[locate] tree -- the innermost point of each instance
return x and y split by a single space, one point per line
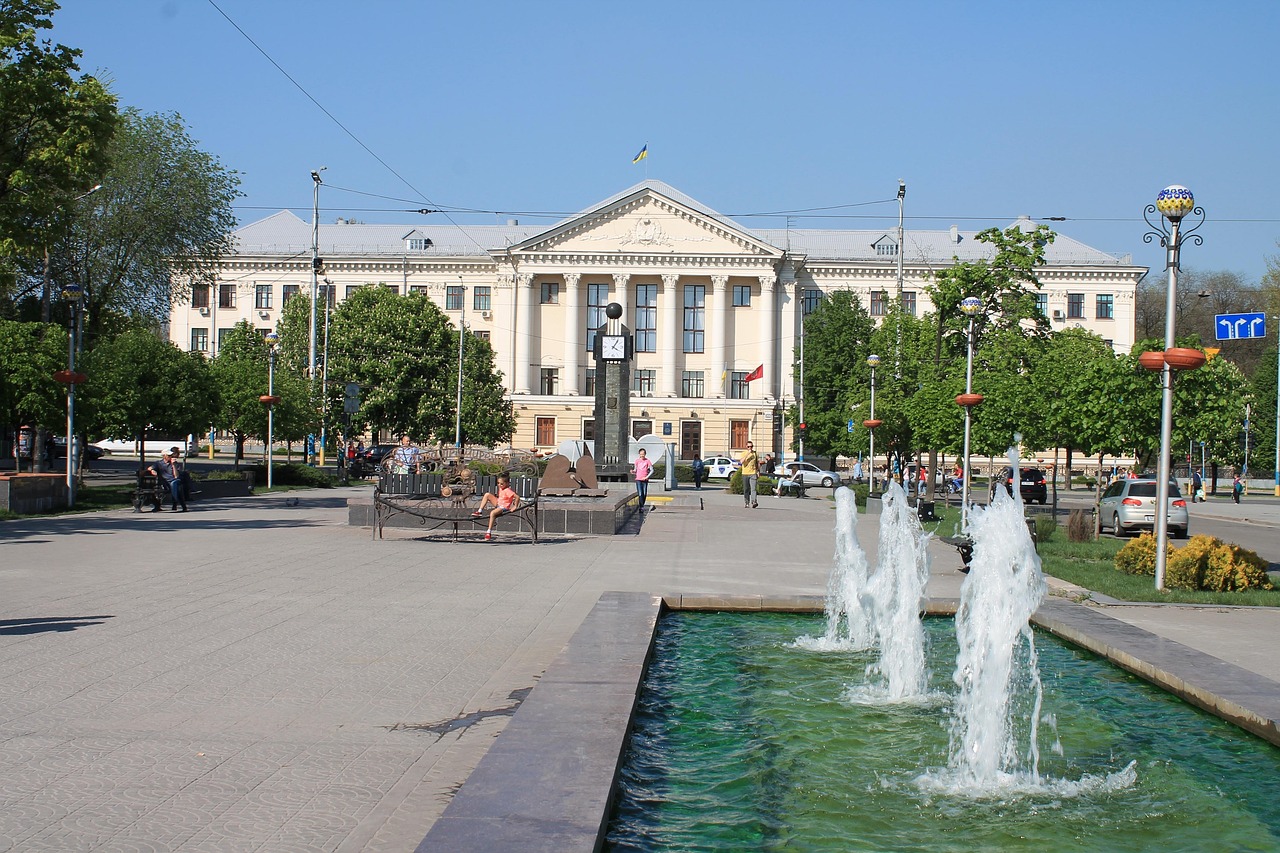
30 353
240 375
139 382
403 352
1059 381
836 338
153 232
54 130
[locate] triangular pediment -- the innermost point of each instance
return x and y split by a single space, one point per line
647 220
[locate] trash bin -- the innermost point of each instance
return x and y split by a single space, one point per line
925 510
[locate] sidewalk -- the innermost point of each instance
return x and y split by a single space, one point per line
254 675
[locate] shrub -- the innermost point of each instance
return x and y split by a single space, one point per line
1186 567
294 474
1079 526
735 483
1231 568
1139 556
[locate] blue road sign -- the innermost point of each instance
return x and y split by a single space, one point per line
850 426
1230 327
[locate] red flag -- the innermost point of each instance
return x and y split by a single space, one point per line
758 373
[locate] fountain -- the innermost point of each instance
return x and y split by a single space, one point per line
848 623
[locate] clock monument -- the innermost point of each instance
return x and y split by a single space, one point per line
612 351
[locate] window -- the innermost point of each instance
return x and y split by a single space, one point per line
588 429
351 291
691 384
879 303
590 389
695 308
482 334
550 379
1106 307
226 296
739 387
420 289
453 297
222 337
646 318
550 293
742 296
199 340
200 296
909 302
1042 304
886 247
327 293
643 381
1075 306
288 292
546 430
639 429
419 244
480 298
810 299
739 434
262 297
597 299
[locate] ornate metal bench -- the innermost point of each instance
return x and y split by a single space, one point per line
447 496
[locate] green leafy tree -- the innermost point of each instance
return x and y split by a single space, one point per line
156 229
139 383
1059 381
30 353
55 126
836 338
241 375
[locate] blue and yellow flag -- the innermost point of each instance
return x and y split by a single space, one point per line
644 152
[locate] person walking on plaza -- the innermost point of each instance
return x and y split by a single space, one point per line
505 501
699 468
749 467
643 470
167 470
406 458
857 472
1197 487
1237 488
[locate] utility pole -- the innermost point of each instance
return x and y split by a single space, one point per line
462 337
315 282
897 354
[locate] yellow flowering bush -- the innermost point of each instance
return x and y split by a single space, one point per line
1208 563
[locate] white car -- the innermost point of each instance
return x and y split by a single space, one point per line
719 467
810 474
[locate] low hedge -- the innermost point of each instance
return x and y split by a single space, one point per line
294 474
1204 563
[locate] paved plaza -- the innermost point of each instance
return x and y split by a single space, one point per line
257 675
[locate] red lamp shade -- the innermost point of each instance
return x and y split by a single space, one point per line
269 399
873 423
1152 360
67 377
967 400
1184 358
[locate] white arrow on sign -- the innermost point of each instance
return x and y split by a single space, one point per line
1241 322
1226 324
1253 326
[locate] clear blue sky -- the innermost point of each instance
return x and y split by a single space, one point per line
1084 109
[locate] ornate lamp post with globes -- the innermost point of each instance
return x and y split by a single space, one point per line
1173 203
871 423
270 399
971 306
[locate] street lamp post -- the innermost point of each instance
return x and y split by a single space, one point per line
73 294
1173 203
269 400
315 284
971 306
871 423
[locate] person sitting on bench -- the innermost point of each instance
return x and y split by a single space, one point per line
505 501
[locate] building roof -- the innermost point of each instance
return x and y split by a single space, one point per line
285 234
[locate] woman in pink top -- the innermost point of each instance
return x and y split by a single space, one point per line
643 469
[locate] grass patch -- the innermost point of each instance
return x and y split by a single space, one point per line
1092 566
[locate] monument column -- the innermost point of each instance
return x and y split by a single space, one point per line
573 325
769 334
718 329
620 281
524 333
670 335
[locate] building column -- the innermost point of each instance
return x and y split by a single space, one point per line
573 327
620 280
769 335
522 369
717 329
670 335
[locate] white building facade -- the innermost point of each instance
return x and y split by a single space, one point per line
708 301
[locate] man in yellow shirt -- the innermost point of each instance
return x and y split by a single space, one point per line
749 467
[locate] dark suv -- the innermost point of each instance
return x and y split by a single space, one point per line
1032 485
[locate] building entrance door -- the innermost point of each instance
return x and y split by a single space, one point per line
690 439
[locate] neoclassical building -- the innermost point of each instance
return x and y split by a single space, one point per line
712 304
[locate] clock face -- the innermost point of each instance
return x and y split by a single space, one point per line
613 347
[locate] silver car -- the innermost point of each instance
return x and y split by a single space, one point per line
1131 505
810 474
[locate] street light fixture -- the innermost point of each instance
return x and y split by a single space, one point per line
1173 204
871 423
971 307
270 399
74 295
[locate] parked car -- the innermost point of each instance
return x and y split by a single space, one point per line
720 467
810 474
1131 505
367 463
91 451
1032 484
